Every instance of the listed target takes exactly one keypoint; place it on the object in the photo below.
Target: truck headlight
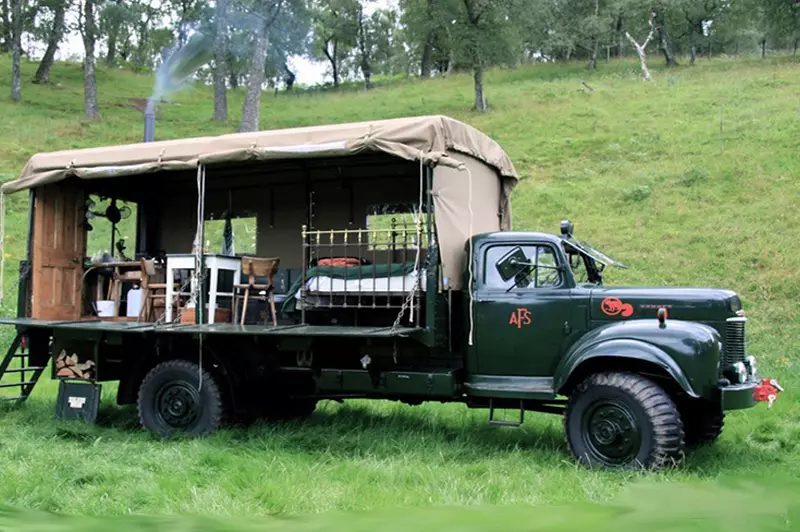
(752, 365)
(740, 370)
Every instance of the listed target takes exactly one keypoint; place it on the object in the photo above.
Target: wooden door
(59, 245)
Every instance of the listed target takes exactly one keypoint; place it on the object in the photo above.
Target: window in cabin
(243, 236)
(526, 266)
(111, 226)
(394, 226)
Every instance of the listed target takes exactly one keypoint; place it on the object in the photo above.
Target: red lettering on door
(520, 317)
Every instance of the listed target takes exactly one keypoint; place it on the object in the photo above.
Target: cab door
(524, 313)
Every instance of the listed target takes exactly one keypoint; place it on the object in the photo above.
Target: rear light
(740, 313)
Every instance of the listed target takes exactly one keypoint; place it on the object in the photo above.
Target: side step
(28, 375)
(503, 422)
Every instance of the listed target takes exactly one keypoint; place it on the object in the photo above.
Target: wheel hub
(611, 433)
(178, 404)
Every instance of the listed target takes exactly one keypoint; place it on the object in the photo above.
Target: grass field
(690, 180)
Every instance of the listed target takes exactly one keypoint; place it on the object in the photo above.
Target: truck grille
(734, 346)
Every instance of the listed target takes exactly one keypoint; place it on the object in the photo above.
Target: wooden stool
(257, 267)
(154, 294)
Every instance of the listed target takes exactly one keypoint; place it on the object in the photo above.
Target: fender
(688, 352)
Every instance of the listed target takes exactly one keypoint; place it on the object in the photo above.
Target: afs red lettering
(520, 317)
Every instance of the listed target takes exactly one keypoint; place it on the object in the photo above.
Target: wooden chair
(257, 267)
(154, 293)
(121, 277)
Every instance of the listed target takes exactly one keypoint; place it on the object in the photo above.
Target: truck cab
(544, 325)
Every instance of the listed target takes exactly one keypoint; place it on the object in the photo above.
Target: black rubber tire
(178, 380)
(634, 413)
(702, 421)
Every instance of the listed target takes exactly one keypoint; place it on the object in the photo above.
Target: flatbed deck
(219, 328)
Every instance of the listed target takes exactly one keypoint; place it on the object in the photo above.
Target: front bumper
(739, 396)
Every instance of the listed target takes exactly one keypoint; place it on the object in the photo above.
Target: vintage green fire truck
(381, 264)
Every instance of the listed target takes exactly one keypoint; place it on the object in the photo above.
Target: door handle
(567, 328)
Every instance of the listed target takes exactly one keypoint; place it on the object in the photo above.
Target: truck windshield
(587, 262)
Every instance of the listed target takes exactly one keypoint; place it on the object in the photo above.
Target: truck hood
(691, 304)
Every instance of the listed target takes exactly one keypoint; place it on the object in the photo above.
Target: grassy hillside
(690, 180)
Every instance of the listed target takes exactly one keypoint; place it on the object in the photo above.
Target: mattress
(399, 284)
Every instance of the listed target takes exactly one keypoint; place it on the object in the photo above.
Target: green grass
(690, 180)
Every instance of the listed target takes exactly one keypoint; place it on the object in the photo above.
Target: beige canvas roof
(429, 138)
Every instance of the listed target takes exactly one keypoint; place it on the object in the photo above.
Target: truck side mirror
(512, 263)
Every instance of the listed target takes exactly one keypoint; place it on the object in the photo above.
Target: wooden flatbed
(220, 328)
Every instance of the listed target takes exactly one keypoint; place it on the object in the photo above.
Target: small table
(213, 263)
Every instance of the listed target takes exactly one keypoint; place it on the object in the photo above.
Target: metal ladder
(28, 375)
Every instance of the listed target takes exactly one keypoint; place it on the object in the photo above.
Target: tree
(221, 61)
(664, 43)
(89, 33)
(8, 40)
(486, 35)
(277, 22)
(116, 19)
(334, 29)
(641, 49)
(16, 47)
(55, 34)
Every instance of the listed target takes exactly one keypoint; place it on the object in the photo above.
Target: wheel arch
(222, 368)
(622, 355)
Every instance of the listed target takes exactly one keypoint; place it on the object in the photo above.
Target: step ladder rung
(12, 384)
(20, 370)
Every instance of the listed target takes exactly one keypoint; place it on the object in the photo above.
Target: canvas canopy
(472, 183)
(430, 138)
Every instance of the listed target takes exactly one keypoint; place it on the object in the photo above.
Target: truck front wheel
(172, 400)
(623, 421)
(702, 421)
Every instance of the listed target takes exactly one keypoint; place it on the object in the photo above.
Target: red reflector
(740, 313)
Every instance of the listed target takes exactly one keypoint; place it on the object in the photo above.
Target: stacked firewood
(69, 367)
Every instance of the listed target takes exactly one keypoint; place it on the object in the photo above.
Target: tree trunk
(620, 37)
(363, 47)
(221, 62)
(90, 106)
(663, 40)
(252, 100)
(289, 77)
(426, 64)
(8, 43)
(641, 50)
(480, 97)
(16, 45)
(333, 58)
(595, 38)
(111, 53)
(56, 33)
(763, 48)
(692, 48)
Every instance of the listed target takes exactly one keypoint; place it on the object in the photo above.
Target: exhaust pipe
(150, 121)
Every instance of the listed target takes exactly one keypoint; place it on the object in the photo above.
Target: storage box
(78, 400)
(222, 315)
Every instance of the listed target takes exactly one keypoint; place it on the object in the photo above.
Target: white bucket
(134, 302)
(105, 308)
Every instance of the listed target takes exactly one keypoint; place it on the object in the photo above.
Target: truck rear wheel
(171, 400)
(623, 421)
(702, 421)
